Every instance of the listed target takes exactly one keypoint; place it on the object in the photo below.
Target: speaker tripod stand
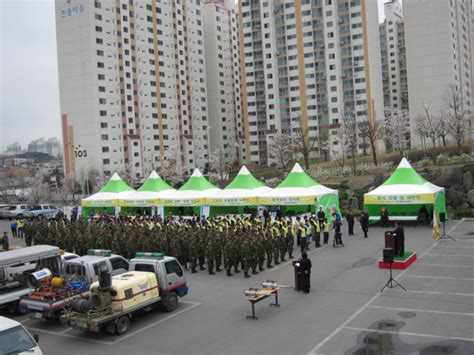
(392, 283)
(445, 236)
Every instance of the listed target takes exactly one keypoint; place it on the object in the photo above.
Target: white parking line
(69, 336)
(157, 322)
(351, 318)
(435, 293)
(422, 310)
(454, 246)
(410, 334)
(453, 255)
(450, 265)
(112, 342)
(440, 277)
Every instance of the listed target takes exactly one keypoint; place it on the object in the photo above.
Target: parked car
(4, 210)
(15, 339)
(17, 211)
(42, 211)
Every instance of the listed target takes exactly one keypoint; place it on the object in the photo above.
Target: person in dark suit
(364, 223)
(399, 234)
(384, 217)
(321, 215)
(305, 270)
(350, 222)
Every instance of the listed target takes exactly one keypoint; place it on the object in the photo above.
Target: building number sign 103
(80, 153)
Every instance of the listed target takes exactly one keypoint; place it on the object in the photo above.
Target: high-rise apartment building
(51, 146)
(132, 85)
(13, 149)
(307, 64)
(223, 72)
(392, 46)
(439, 54)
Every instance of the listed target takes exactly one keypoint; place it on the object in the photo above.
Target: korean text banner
(399, 199)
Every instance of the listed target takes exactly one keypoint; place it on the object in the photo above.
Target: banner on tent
(399, 199)
(227, 201)
(286, 200)
(99, 203)
(184, 202)
(138, 203)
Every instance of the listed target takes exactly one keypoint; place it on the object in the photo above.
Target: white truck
(16, 265)
(51, 296)
(153, 280)
(15, 339)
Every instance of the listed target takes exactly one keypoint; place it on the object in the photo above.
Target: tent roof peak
(244, 171)
(196, 173)
(115, 176)
(297, 169)
(404, 164)
(154, 175)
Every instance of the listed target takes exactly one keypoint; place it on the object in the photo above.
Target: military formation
(235, 244)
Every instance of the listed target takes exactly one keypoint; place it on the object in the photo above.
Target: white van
(15, 339)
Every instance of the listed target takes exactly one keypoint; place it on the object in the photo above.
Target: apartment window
(103, 113)
(103, 125)
(106, 161)
(102, 101)
(99, 41)
(100, 65)
(105, 149)
(104, 137)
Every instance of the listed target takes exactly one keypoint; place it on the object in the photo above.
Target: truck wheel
(123, 325)
(16, 309)
(171, 302)
(110, 328)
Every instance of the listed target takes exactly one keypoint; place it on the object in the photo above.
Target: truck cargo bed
(94, 321)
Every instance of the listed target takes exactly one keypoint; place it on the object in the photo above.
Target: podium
(389, 240)
(298, 276)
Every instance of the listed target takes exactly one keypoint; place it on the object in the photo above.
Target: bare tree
(172, 169)
(37, 193)
(324, 149)
(372, 131)
(431, 122)
(347, 142)
(397, 128)
(280, 150)
(304, 144)
(69, 187)
(459, 118)
(221, 163)
(421, 130)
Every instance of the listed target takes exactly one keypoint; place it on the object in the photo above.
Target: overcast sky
(29, 95)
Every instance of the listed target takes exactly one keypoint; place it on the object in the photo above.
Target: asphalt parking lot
(345, 313)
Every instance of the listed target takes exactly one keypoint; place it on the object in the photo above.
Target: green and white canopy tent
(299, 189)
(151, 193)
(192, 193)
(404, 193)
(241, 191)
(109, 196)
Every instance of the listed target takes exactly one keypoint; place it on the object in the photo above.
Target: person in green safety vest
(326, 228)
